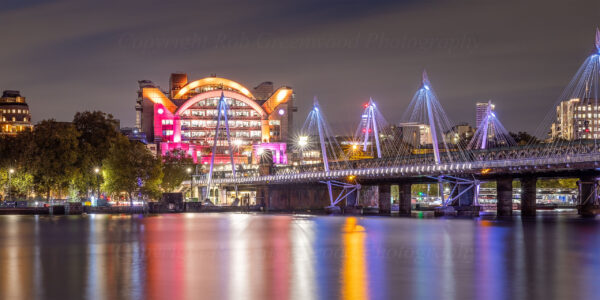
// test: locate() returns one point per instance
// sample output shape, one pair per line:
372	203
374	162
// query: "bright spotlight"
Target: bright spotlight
303	141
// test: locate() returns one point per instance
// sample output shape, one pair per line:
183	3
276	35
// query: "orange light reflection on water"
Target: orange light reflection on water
354	283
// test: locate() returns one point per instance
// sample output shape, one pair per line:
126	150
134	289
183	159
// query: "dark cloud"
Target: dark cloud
68	56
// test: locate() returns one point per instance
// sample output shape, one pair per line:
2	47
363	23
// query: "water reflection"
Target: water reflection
239	256
355	281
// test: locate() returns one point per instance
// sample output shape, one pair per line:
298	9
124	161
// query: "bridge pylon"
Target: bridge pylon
222	111
369	128
328	147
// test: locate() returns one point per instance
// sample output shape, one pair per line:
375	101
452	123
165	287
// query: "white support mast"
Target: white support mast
370	124
222	110
323	147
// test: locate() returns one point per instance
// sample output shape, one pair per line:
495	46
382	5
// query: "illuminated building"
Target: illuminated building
461	132
481	111
185	118
576	119
14	113
410	130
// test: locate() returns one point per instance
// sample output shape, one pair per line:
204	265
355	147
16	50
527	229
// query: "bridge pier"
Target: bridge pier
385	199
528	196
404	199
504	196
466	198
588	196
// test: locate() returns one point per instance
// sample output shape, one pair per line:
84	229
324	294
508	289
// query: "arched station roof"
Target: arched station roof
214	81
226	93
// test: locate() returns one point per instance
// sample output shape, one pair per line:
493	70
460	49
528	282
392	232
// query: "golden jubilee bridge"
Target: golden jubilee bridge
428	148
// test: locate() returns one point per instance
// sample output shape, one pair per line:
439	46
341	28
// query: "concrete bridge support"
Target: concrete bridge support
588	195
385	199
504	196
293	197
405	199
467	194
466	198
352	199
528	196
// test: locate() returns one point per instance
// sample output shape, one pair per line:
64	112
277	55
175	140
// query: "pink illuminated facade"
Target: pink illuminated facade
184	118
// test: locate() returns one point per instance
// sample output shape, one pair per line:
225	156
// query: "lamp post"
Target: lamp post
189	170
10	172
97	171
302	143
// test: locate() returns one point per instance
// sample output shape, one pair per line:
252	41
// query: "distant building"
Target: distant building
461	132
134	134
410	136
184	118
14	113
576	119
481	110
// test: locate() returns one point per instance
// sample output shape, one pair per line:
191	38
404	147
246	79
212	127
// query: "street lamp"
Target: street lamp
10	172
97	171
303	141
189	170
302	144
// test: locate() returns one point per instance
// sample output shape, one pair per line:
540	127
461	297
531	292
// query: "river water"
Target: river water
245	256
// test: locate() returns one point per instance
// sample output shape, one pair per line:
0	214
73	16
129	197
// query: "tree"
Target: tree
54	156
15	151
98	131
130	167
523	138
174	167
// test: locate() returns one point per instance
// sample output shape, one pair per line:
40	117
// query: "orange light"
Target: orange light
156	96
282	95
214	81
485	171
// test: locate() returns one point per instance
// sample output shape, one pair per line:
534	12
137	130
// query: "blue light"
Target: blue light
493	115
316	109
426	87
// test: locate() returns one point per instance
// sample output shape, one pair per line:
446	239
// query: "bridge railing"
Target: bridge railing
459	168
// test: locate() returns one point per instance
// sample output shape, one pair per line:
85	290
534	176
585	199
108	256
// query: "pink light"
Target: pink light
279	152
281	112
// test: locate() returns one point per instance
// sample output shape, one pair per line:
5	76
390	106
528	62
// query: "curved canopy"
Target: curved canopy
214	81
156	96
282	95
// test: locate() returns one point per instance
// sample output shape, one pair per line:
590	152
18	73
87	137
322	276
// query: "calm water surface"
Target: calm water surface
239	256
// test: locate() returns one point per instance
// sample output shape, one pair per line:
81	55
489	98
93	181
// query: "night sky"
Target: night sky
69	56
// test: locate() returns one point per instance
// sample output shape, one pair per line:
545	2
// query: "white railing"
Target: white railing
410	170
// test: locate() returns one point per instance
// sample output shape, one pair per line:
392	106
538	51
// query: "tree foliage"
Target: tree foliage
130	167
98	131
175	165
53	155
523	138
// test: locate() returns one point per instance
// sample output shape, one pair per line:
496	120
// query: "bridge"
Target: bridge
388	155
